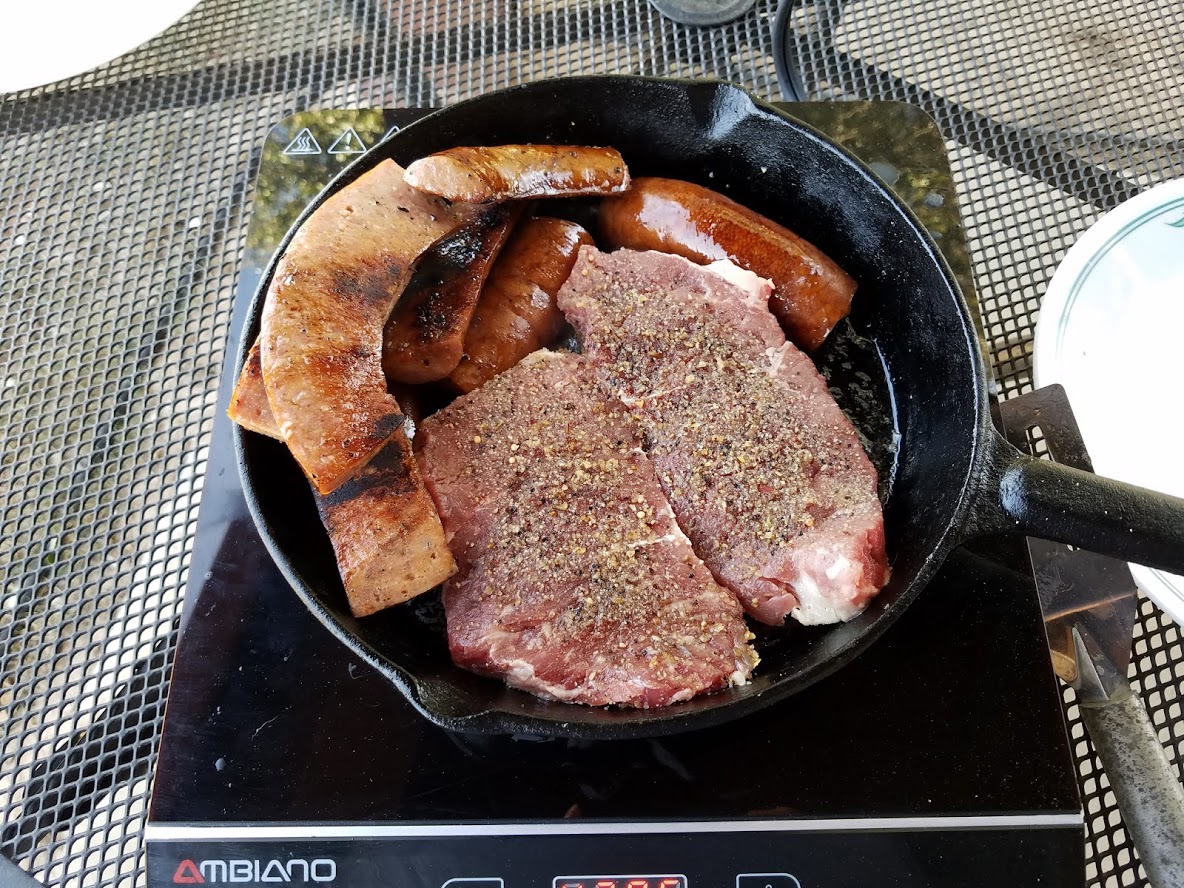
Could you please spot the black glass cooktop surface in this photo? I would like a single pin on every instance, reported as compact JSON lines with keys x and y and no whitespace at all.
{"x":941,"y":748}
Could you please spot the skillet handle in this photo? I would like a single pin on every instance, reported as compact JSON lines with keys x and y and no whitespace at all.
{"x":1021,"y":494}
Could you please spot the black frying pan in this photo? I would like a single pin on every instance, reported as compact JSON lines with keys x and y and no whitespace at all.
{"x":954,"y":477}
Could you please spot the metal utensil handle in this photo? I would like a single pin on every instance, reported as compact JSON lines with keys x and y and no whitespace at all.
{"x":1149,"y":795}
{"x":12,"y":876}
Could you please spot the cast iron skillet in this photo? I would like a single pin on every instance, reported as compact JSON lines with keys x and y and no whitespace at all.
{"x":954,"y":477}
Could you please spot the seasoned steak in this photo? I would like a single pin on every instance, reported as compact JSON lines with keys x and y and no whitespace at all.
{"x":575,"y":583}
{"x":765,"y":473}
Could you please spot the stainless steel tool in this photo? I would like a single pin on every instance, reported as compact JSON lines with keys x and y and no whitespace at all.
{"x":1089,"y":603}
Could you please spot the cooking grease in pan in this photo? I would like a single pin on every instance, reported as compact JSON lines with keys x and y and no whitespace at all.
{"x":854,"y":371}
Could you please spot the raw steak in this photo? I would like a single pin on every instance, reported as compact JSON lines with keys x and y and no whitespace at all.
{"x":575,"y":583}
{"x":764,"y":471}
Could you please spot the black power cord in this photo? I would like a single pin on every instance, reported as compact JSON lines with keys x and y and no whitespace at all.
{"x":793,"y":89}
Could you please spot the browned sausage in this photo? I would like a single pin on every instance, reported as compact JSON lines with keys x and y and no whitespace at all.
{"x":810,"y":292}
{"x":517,"y":313}
{"x":480,"y":175}
{"x":425,"y":335}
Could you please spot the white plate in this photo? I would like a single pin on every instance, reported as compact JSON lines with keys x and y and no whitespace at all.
{"x":48,"y":40}
{"x":1111,"y":331}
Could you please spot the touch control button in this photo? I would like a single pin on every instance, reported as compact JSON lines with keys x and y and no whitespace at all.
{"x":767,"y":880}
{"x":481,"y":882}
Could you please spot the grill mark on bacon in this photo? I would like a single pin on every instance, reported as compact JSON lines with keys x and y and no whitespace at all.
{"x":323,"y":318}
{"x":387,"y":538}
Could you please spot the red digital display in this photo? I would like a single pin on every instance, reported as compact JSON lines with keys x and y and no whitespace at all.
{"x":619,"y":882}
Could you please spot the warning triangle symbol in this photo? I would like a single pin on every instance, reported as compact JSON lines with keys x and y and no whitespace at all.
{"x":304,"y":143}
{"x":187,"y":872}
{"x":348,"y":143}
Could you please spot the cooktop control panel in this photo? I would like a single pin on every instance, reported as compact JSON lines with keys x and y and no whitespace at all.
{"x":987,"y":852}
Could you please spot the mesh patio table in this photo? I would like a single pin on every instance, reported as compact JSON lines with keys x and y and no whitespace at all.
{"x":124,"y":200}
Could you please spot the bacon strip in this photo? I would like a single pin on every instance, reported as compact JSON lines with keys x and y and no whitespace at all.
{"x":323,"y":319}
{"x":384,"y":528}
{"x":386,"y":532}
{"x":249,"y":406}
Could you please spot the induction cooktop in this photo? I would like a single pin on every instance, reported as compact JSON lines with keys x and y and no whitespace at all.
{"x":937,"y":758}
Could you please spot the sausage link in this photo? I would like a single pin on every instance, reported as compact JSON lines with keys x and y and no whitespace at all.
{"x":517,"y":314}
{"x":810,"y":292}
{"x":424,"y":336}
{"x":502,"y":172}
